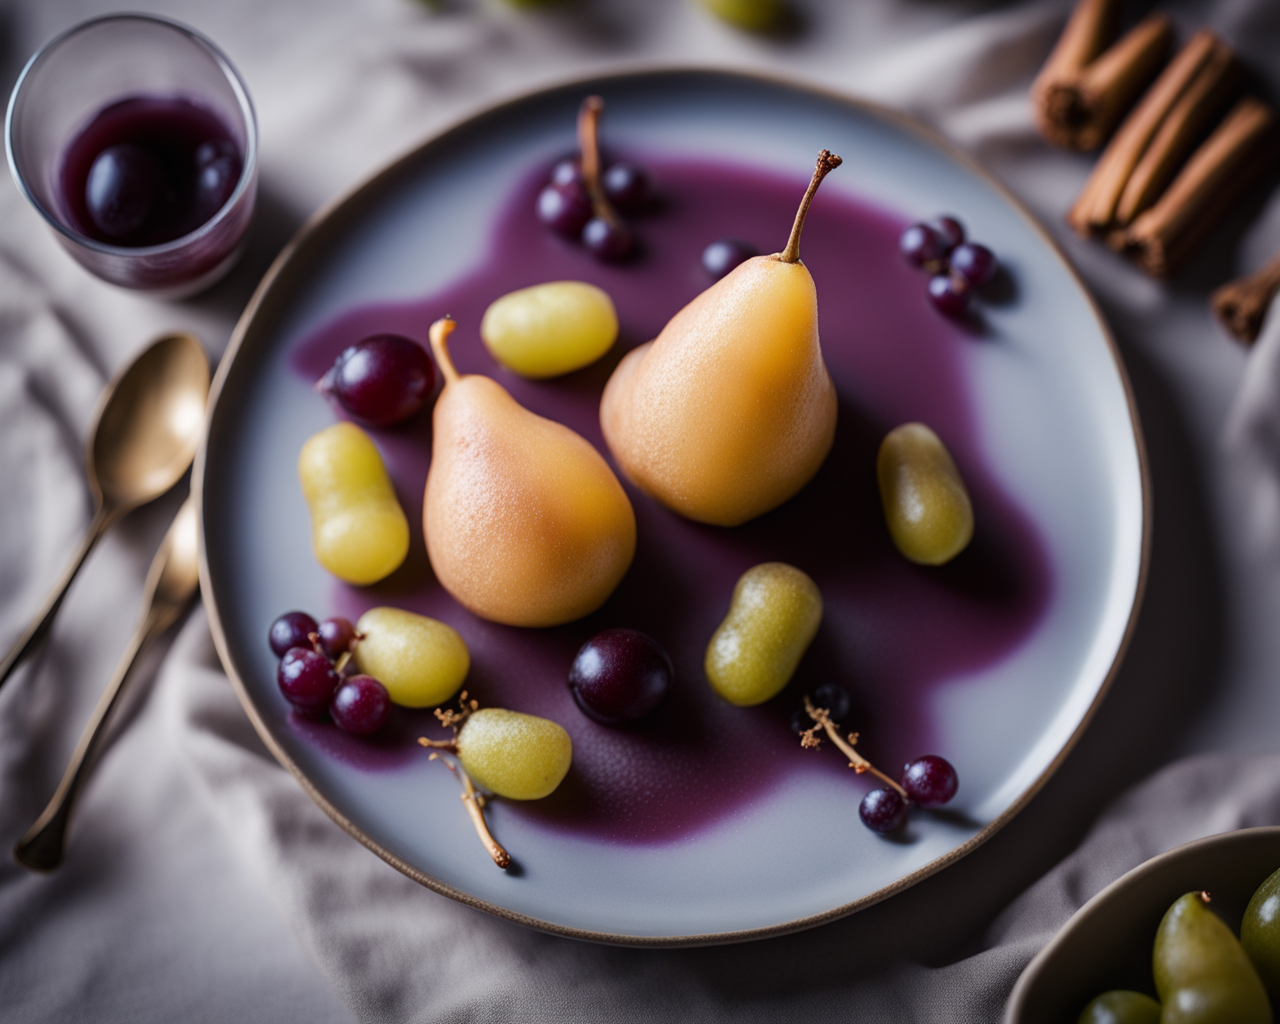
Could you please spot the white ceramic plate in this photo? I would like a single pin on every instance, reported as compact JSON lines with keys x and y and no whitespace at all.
{"x":1048,"y":415}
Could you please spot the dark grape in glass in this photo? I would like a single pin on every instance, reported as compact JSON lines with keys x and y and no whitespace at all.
{"x":336,"y":635}
{"x":122,"y":189}
{"x":361,"y":705}
{"x":930,"y":780}
{"x":951,"y":230}
{"x":627,"y":186}
{"x":620,"y":675}
{"x":307,"y":679}
{"x":883,"y":810}
{"x":380,"y":380}
{"x":567,"y":171}
{"x":565,"y":209}
{"x":722,"y":255}
{"x":832,"y":697}
{"x":217,"y":172}
{"x":924,"y":247}
{"x":290,"y":630}
{"x":949,"y":293}
{"x":611,"y":243}
{"x":975,"y":263}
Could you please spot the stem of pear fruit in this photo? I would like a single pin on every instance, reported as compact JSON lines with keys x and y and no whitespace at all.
{"x":589,"y":142}
{"x":856,"y":761}
{"x":439,"y":337}
{"x":827,"y":162}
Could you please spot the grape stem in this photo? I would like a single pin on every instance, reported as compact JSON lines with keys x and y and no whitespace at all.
{"x":474,"y":802}
{"x":589,"y":142}
{"x":827,"y":162}
{"x":856,"y":761}
{"x":439,"y":337}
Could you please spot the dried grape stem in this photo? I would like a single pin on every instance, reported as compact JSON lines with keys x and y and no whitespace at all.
{"x":827,"y":162}
{"x":1242,"y":305}
{"x":474,"y":803}
{"x":856,"y":761}
{"x":439,"y":337}
{"x":589,"y":142}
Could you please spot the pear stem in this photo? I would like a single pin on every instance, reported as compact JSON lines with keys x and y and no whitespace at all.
{"x":439,"y":336}
{"x":827,"y":162}
{"x":589,"y":142}
{"x":856,"y":761}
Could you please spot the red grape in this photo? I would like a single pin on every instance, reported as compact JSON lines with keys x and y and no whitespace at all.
{"x":335,"y":637}
{"x":975,"y":263}
{"x":627,"y":186}
{"x":122,"y":188}
{"x":924,"y":247}
{"x":723,"y":255}
{"x":307,"y":679}
{"x":565,"y":208}
{"x":620,"y":675}
{"x":930,"y":780}
{"x":361,"y":705}
{"x":949,"y":294}
{"x":951,"y":230}
{"x":381,"y":380}
{"x":290,"y":630}
{"x":611,"y":243}
{"x":883,"y":810}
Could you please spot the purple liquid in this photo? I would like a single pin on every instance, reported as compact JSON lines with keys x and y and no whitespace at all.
{"x":892,"y":631}
{"x":171,"y":130}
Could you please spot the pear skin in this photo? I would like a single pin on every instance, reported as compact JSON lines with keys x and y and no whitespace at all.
{"x":525,"y":523}
{"x":730,"y":410}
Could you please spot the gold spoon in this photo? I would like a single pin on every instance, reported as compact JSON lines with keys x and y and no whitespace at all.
{"x":171,"y":584}
{"x":143,"y":438}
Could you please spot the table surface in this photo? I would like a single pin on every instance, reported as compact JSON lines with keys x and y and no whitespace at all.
{"x":157,"y":914}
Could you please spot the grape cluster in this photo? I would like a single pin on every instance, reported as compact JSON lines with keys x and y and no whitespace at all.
{"x":928,"y":782}
{"x":566,"y":207}
{"x":312,"y":658}
{"x":956,"y":266}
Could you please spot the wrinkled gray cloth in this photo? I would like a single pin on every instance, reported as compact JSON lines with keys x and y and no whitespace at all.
{"x":202,"y":885}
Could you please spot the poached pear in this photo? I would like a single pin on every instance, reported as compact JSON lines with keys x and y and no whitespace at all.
{"x":730,"y":410}
{"x":525,"y":523}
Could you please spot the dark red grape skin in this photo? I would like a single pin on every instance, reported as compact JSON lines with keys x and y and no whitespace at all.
{"x":122,"y":188}
{"x":627,"y":186}
{"x":361,"y":705}
{"x":951,"y":230}
{"x":217,"y":172}
{"x":290,"y":630}
{"x":930,"y":781}
{"x":883,"y":810}
{"x":924,"y":247}
{"x":381,"y":380}
{"x":567,"y":171}
{"x":611,"y":243}
{"x":975,"y":263}
{"x":620,"y":675}
{"x":949,"y":294}
{"x":565,"y":208}
{"x":722,"y":255}
{"x":307,"y":679}
{"x":335,"y":636}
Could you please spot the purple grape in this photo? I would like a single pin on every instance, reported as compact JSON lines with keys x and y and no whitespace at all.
{"x":567,"y":172}
{"x":951,"y":230}
{"x":335,"y":637}
{"x":565,"y":209}
{"x":123,"y":187}
{"x":620,"y":675}
{"x":832,"y":697}
{"x":975,"y":263}
{"x":290,"y":630}
{"x":307,"y":679}
{"x":723,"y":255}
{"x":949,"y":293}
{"x":930,"y":780}
{"x":215,"y":181}
{"x":800,"y":721}
{"x":883,"y":810}
{"x":627,"y":186}
{"x":380,"y":380}
{"x":611,"y":243}
{"x":361,"y":705}
{"x":924,"y":247}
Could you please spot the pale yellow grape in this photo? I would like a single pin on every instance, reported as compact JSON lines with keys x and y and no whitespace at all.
{"x":752,"y":14}
{"x":926,"y":504}
{"x":550,"y":329}
{"x":422,"y":662}
{"x":521,"y":757}
{"x":358,"y":530}
{"x":774,"y":614}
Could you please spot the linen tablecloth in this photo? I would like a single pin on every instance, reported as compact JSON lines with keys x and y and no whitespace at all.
{"x":202,"y":885}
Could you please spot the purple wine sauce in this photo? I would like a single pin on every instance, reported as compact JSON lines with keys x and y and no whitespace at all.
{"x":892,"y":631}
{"x":171,"y":130}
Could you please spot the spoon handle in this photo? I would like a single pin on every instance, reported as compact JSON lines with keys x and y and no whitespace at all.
{"x":102,"y":519}
{"x":41,"y":848}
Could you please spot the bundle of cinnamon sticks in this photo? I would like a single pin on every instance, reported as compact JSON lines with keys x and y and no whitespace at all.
{"x":1161,"y":184}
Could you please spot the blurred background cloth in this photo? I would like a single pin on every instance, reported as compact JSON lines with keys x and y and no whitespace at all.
{"x":202,"y":885}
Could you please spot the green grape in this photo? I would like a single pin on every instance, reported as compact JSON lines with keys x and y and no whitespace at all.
{"x":551,"y":328}
{"x":773,"y":616}
{"x":1120,"y":1006}
{"x":420,"y":661}
{"x":756,"y":15}
{"x":926,"y":505}
{"x":521,"y":757}
{"x":1260,"y":933}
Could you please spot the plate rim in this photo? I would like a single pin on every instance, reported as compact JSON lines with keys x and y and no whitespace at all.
{"x":597,"y":81}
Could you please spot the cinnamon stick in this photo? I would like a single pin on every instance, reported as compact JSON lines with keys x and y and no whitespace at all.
{"x":1094,"y":211}
{"x":1242,"y":305}
{"x":1090,"y":27}
{"x":1229,"y":161}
